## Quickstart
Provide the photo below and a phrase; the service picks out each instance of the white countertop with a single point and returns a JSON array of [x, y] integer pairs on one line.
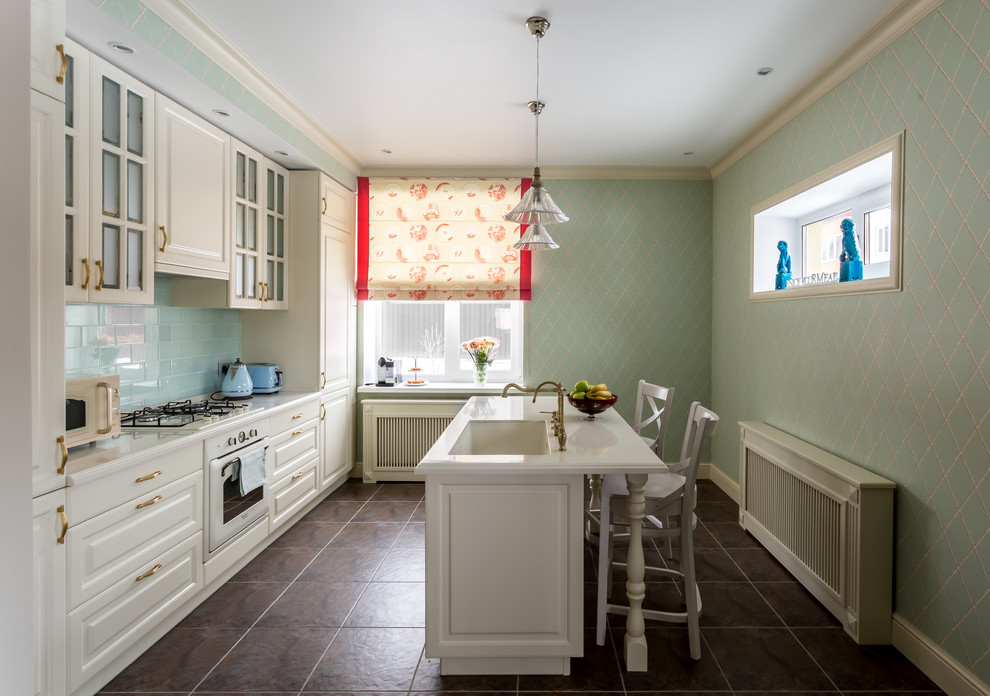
[[96, 459], [606, 445]]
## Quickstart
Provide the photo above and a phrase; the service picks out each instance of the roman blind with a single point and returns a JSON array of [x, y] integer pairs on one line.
[[431, 238]]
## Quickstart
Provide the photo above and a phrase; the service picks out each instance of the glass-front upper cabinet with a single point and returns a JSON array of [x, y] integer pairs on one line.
[[258, 275], [79, 265], [121, 186], [246, 287], [276, 252]]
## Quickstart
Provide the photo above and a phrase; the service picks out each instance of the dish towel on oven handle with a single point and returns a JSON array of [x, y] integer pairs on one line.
[[252, 474]]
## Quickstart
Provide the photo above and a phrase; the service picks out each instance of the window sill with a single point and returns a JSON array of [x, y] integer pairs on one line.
[[407, 391]]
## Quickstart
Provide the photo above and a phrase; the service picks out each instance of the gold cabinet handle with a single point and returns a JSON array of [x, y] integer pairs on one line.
[[99, 267], [60, 78], [296, 432], [148, 477], [65, 454], [268, 292], [324, 376], [85, 284], [65, 524], [148, 502], [323, 412], [261, 291], [297, 475], [298, 415], [164, 238], [324, 206], [139, 578]]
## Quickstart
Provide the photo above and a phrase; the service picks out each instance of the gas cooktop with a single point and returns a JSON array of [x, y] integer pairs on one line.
[[190, 414]]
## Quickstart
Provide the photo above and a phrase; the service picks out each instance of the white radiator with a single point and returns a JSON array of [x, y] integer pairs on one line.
[[830, 522], [399, 432]]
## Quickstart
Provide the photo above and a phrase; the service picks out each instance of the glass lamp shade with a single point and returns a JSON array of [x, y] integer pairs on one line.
[[536, 206], [536, 238]]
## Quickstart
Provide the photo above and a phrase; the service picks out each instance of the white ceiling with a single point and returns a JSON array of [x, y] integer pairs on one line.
[[445, 82]]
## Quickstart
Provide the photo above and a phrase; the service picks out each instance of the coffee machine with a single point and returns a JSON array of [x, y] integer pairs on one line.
[[389, 372]]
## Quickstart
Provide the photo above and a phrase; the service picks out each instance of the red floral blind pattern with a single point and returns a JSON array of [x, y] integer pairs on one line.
[[440, 239]]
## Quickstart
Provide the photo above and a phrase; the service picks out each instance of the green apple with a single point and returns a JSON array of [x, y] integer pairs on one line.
[[578, 395], [581, 386]]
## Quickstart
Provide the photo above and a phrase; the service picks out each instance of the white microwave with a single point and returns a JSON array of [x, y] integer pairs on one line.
[[92, 408]]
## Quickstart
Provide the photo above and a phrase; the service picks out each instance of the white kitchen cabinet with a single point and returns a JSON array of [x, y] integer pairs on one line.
[[79, 266], [293, 461], [336, 438], [49, 527], [103, 629], [192, 161], [121, 166], [47, 45], [45, 295], [323, 315], [275, 257], [247, 289], [121, 541]]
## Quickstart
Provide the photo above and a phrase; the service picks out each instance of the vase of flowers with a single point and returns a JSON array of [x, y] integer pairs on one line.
[[482, 351]]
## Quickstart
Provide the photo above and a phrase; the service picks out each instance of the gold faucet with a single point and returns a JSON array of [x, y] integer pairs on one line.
[[505, 391], [557, 417]]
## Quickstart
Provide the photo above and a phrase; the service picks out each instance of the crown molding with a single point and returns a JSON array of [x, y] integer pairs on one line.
[[193, 26], [551, 172], [857, 53]]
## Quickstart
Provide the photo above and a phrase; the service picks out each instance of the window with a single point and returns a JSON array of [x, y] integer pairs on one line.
[[877, 226], [429, 336], [825, 236], [800, 229]]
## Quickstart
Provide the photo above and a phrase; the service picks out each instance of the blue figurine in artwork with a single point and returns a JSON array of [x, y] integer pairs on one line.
[[850, 262], [783, 266]]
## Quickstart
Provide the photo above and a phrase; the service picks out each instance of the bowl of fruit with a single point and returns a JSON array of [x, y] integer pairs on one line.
[[591, 399]]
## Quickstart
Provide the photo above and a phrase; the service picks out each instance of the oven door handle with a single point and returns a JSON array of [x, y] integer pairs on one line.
[[237, 458]]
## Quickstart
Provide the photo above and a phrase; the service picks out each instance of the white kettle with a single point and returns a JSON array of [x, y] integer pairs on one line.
[[237, 382]]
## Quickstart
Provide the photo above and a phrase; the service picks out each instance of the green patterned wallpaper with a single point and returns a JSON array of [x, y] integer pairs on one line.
[[628, 294], [895, 382]]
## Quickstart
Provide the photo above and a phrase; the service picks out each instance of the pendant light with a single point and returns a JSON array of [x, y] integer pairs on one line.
[[536, 209]]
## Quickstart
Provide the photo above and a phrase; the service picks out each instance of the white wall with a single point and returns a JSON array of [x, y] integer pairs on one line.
[[15, 419]]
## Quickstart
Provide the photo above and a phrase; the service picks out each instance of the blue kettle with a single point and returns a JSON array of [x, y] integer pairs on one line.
[[237, 382]]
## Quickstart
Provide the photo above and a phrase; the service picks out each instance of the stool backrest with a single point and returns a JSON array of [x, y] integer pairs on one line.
[[653, 406]]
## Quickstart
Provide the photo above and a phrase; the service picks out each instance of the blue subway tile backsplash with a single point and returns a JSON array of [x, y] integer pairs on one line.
[[161, 353]]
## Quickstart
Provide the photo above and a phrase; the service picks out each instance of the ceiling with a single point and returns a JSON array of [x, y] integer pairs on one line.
[[628, 83]]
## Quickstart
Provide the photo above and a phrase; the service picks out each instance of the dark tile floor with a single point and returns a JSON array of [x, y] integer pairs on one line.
[[336, 606]]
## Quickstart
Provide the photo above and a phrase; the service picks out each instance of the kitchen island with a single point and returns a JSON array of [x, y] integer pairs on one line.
[[504, 535]]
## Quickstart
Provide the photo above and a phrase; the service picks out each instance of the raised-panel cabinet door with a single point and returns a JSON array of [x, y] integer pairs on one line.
[[336, 438], [47, 47], [191, 206], [122, 176], [49, 527], [336, 204], [336, 280], [46, 297], [79, 266]]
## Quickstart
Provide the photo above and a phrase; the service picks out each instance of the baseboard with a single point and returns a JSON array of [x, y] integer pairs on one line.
[[720, 479], [941, 668]]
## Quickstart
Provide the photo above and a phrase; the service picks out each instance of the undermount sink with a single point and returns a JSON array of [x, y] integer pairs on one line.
[[503, 437]]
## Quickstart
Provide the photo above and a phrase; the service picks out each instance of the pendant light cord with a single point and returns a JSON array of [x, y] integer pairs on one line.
[[538, 106]]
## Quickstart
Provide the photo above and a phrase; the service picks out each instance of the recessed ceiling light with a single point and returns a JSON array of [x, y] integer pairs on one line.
[[282, 153], [121, 47], [386, 151], [221, 113], [687, 154], [763, 72]]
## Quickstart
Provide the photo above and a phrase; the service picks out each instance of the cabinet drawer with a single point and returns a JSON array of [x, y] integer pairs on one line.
[[290, 418], [291, 449], [122, 541], [102, 629], [293, 492], [135, 481]]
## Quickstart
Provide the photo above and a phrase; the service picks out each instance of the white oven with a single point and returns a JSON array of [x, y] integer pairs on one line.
[[237, 488]]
